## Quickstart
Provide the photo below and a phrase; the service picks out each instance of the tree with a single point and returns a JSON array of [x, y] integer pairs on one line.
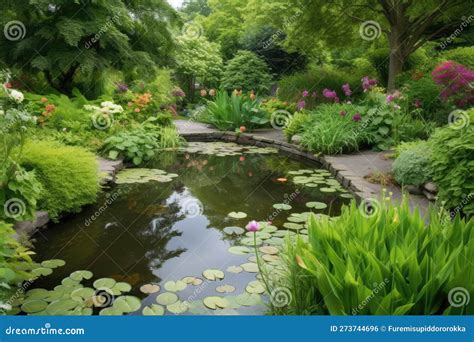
[[71, 39], [197, 59], [196, 7], [246, 71], [407, 24]]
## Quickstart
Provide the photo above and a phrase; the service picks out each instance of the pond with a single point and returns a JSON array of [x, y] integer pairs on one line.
[[175, 229]]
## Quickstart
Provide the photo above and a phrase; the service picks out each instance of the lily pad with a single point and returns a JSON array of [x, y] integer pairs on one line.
[[82, 293], [150, 288], [53, 263], [234, 230], [215, 302], [37, 294], [42, 271], [270, 258], [62, 305], [282, 206], [327, 190], [121, 287], [291, 225], [276, 241], [269, 250], [239, 250], [107, 283], [249, 241], [192, 281], [237, 215], [175, 286], [153, 310], [260, 235], [225, 289], [255, 287], [213, 274], [249, 299], [178, 308], [167, 298], [34, 305], [80, 275], [316, 205], [346, 195], [127, 304], [110, 312], [250, 267], [235, 269]]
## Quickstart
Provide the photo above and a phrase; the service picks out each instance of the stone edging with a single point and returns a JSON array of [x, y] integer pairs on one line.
[[352, 182]]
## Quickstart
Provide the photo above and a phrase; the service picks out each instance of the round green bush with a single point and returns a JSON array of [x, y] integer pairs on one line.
[[462, 55], [413, 166], [69, 175], [246, 71]]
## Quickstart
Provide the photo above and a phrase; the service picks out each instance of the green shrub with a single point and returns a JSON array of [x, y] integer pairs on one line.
[[413, 165], [452, 162], [329, 132], [461, 55], [297, 124], [69, 175], [385, 261], [246, 72], [229, 112]]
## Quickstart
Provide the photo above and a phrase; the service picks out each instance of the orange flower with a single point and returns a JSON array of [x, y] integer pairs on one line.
[[44, 99], [50, 108], [242, 129], [137, 110], [252, 96]]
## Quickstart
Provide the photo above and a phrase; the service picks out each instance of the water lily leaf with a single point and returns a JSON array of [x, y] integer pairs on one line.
[[178, 308], [215, 302], [237, 215], [80, 275], [346, 195], [248, 299], [282, 206], [270, 258], [239, 250], [69, 282], [37, 294], [153, 310], [127, 304], [252, 258], [62, 305], [249, 241], [291, 225], [255, 287], [34, 305], [110, 312], [269, 250], [327, 190], [276, 241], [192, 281], [267, 228], [167, 298], [316, 205], [150, 288], [234, 230], [42, 271], [225, 289], [53, 263], [213, 274], [82, 293], [260, 235], [250, 267], [121, 287], [107, 283], [297, 219], [235, 269], [175, 286]]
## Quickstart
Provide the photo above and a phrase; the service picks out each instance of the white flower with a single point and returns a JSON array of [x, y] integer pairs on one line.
[[16, 96]]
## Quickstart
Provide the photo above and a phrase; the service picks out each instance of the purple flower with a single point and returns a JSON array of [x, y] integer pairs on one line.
[[342, 113], [368, 83], [329, 94], [301, 104], [357, 117], [390, 98], [347, 89], [253, 226], [305, 93], [122, 87]]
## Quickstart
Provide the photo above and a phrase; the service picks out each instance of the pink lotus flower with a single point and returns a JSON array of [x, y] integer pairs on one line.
[[305, 93], [253, 226], [347, 89], [357, 117]]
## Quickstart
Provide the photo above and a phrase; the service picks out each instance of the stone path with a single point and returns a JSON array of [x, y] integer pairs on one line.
[[349, 169]]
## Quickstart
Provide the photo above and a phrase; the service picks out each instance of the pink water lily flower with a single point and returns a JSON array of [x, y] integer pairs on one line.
[[253, 226]]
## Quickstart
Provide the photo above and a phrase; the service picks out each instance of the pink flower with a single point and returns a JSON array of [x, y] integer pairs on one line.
[[253, 226], [417, 103], [357, 117], [305, 93], [368, 83], [329, 94], [342, 113], [390, 98], [301, 104], [347, 89]]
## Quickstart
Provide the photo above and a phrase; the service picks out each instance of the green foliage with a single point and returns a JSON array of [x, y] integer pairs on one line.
[[169, 138], [246, 72], [297, 124], [382, 262], [272, 104], [329, 132], [452, 164], [69, 175], [230, 112], [413, 165], [461, 55]]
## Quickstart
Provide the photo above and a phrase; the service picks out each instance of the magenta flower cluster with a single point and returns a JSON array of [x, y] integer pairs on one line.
[[368, 83], [331, 95], [346, 88], [456, 81]]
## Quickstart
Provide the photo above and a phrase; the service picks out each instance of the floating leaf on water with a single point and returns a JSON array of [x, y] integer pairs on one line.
[[37, 294], [69, 282], [239, 250], [53, 263], [252, 258], [150, 288], [250, 267], [267, 228], [80, 275], [153, 310], [192, 281], [215, 302], [213, 274], [138, 175], [225, 289], [248, 299], [291, 225], [282, 206], [42, 271], [107, 283], [121, 287], [61, 305], [175, 286], [255, 287], [34, 305], [346, 195], [260, 235], [234, 230], [316, 205], [178, 308], [110, 312], [249, 241], [235, 269], [127, 304], [296, 219], [270, 258], [327, 190], [167, 298], [276, 241], [237, 215], [82, 293], [269, 250]]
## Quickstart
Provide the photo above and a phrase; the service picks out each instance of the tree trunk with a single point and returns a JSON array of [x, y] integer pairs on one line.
[[397, 51], [64, 82]]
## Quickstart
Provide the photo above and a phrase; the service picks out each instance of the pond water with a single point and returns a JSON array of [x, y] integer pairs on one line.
[[158, 227]]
